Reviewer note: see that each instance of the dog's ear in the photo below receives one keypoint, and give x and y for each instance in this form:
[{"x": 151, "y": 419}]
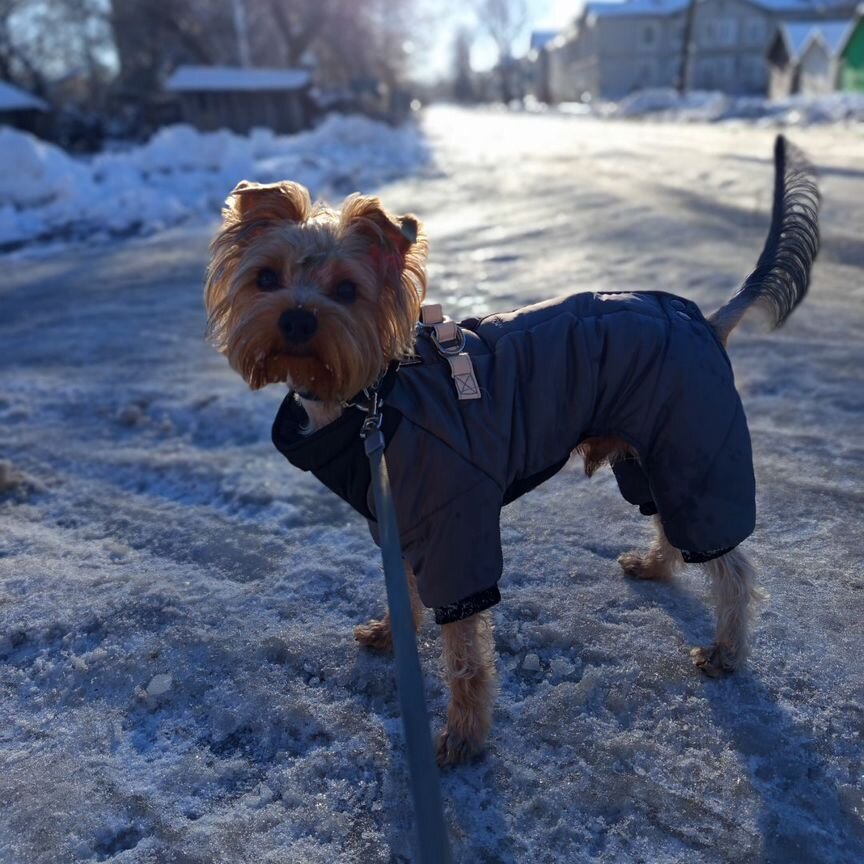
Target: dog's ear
[
  {"x": 269, "y": 202},
  {"x": 365, "y": 215}
]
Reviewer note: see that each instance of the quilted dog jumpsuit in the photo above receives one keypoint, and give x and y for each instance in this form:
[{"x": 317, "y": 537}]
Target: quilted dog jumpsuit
[{"x": 644, "y": 367}]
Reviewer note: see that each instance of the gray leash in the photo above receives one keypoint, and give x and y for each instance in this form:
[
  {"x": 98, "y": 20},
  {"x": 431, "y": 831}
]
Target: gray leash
[{"x": 434, "y": 845}]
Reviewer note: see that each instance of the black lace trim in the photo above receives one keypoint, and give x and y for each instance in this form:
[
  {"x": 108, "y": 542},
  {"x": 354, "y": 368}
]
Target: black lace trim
[{"x": 467, "y": 607}]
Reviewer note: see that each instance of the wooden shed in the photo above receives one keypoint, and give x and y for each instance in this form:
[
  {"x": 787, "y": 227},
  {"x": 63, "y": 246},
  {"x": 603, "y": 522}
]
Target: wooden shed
[
  {"x": 226, "y": 97},
  {"x": 21, "y": 110}
]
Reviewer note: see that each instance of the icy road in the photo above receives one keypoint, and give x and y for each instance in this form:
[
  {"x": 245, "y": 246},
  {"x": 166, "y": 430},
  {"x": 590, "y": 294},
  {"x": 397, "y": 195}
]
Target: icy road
[{"x": 178, "y": 679}]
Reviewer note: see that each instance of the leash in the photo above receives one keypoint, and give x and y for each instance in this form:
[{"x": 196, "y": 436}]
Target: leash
[{"x": 434, "y": 845}]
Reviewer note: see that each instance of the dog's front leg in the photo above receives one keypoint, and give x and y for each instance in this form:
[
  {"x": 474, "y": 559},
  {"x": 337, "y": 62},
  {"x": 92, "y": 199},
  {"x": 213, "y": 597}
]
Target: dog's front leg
[
  {"x": 376, "y": 634},
  {"x": 469, "y": 669}
]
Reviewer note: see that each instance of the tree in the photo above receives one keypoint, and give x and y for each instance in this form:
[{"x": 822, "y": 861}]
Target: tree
[
  {"x": 43, "y": 42},
  {"x": 463, "y": 77},
  {"x": 151, "y": 42},
  {"x": 503, "y": 20},
  {"x": 686, "y": 48}
]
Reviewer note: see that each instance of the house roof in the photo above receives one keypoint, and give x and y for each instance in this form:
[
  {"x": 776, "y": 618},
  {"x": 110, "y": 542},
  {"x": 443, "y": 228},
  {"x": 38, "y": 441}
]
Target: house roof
[
  {"x": 14, "y": 99},
  {"x": 541, "y": 38},
  {"x": 623, "y": 8},
  {"x": 798, "y": 36},
  {"x": 633, "y": 8},
  {"x": 803, "y": 6},
  {"x": 222, "y": 78}
]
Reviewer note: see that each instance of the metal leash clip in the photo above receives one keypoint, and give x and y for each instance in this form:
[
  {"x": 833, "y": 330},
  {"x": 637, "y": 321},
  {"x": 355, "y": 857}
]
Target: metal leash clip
[{"x": 370, "y": 431}]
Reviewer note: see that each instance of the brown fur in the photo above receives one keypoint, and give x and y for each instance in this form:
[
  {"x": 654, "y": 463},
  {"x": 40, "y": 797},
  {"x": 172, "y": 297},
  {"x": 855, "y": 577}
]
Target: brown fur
[
  {"x": 597, "y": 452},
  {"x": 658, "y": 564},
  {"x": 376, "y": 634},
  {"x": 469, "y": 669},
  {"x": 313, "y": 248}
]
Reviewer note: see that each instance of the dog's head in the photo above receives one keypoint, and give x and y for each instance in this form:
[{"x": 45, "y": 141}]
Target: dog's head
[{"x": 319, "y": 298}]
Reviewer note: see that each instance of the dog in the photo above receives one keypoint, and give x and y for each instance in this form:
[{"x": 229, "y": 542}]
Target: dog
[{"x": 330, "y": 302}]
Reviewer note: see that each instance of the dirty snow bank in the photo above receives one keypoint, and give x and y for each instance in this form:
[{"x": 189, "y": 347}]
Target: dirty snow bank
[
  {"x": 716, "y": 107},
  {"x": 181, "y": 174}
]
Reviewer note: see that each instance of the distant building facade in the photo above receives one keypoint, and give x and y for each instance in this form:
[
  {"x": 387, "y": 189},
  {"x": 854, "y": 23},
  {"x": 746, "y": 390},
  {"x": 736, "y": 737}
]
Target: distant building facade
[
  {"x": 615, "y": 48},
  {"x": 227, "y": 97}
]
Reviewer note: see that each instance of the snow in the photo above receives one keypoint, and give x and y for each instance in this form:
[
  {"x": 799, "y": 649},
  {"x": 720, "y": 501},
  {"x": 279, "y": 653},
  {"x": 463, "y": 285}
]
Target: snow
[
  {"x": 224, "y": 78},
  {"x": 181, "y": 175},
  {"x": 14, "y": 99},
  {"x": 151, "y": 533},
  {"x": 716, "y": 107}
]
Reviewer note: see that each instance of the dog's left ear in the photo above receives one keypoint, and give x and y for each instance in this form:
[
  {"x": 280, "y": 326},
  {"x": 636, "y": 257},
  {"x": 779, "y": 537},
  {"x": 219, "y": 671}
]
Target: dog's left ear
[
  {"x": 366, "y": 215},
  {"x": 270, "y": 202}
]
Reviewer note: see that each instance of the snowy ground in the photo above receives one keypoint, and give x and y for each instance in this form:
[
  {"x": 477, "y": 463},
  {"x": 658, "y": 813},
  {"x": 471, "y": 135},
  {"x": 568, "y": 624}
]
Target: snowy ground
[
  {"x": 179, "y": 680},
  {"x": 715, "y": 107}
]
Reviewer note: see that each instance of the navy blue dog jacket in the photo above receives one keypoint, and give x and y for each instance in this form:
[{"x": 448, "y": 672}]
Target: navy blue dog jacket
[{"x": 644, "y": 367}]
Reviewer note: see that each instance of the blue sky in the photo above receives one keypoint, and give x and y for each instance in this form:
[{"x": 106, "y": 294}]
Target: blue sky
[{"x": 436, "y": 60}]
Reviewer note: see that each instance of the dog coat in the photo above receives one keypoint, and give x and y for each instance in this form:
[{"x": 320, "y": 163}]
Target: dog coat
[{"x": 644, "y": 367}]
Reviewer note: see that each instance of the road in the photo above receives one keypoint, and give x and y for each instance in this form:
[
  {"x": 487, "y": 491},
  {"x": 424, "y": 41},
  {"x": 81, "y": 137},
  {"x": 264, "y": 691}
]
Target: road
[{"x": 179, "y": 682}]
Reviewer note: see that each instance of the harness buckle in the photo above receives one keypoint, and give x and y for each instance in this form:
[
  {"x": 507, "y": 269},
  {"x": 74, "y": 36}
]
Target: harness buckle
[{"x": 449, "y": 338}]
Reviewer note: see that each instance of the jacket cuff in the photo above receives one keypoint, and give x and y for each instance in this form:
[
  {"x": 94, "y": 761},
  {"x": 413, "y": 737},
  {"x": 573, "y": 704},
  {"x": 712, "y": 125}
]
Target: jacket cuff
[
  {"x": 701, "y": 557},
  {"x": 467, "y": 607}
]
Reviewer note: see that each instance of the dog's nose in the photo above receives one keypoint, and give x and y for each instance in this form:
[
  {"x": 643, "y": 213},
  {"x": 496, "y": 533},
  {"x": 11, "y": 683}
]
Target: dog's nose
[{"x": 298, "y": 325}]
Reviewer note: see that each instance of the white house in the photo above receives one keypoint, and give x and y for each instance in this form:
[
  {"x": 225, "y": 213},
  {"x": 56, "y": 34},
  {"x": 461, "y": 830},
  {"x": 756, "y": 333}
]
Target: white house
[
  {"x": 614, "y": 48},
  {"x": 804, "y": 57}
]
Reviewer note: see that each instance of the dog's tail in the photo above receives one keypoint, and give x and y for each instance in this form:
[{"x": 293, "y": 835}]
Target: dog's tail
[{"x": 782, "y": 275}]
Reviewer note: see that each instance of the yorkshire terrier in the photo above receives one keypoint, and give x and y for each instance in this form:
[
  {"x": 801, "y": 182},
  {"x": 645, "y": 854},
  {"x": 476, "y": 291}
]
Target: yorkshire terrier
[{"x": 329, "y": 302}]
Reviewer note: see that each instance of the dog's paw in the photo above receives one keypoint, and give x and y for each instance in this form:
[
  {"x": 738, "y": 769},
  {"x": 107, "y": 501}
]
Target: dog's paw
[
  {"x": 375, "y": 635},
  {"x": 647, "y": 566},
  {"x": 453, "y": 749},
  {"x": 715, "y": 661}
]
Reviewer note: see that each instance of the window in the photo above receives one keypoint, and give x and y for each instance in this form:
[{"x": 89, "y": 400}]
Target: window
[
  {"x": 720, "y": 33},
  {"x": 649, "y": 35},
  {"x": 755, "y": 32}
]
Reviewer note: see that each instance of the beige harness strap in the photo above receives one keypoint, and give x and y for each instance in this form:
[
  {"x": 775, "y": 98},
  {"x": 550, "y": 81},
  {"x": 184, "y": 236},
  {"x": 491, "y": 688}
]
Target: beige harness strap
[{"x": 449, "y": 340}]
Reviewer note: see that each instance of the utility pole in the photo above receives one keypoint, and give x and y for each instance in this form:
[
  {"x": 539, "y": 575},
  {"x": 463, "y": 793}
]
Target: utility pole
[
  {"x": 242, "y": 32},
  {"x": 687, "y": 48}
]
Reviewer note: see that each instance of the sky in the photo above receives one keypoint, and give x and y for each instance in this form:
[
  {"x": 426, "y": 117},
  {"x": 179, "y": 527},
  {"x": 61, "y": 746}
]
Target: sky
[{"x": 436, "y": 60}]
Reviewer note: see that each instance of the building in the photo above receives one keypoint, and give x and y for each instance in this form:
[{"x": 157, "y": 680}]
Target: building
[
  {"x": 21, "y": 110},
  {"x": 615, "y": 48},
  {"x": 851, "y": 75},
  {"x": 732, "y": 39},
  {"x": 226, "y": 97},
  {"x": 805, "y": 57},
  {"x": 621, "y": 47}
]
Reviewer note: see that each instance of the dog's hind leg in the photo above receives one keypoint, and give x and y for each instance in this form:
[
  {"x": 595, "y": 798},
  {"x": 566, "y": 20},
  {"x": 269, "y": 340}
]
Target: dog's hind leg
[
  {"x": 376, "y": 634},
  {"x": 734, "y": 584},
  {"x": 659, "y": 563},
  {"x": 469, "y": 669}
]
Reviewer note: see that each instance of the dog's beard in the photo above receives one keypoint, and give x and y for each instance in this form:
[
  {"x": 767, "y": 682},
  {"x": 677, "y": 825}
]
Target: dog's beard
[{"x": 343, "y": 357}]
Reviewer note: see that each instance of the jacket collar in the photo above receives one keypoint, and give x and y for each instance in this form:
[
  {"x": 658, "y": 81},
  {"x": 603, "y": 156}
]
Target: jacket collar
[{"x": 313, "y": 452}]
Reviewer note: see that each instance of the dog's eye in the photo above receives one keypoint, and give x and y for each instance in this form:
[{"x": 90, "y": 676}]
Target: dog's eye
[
  {"x": 346, "y": 291},
  {"x": 267, "y": 279}
]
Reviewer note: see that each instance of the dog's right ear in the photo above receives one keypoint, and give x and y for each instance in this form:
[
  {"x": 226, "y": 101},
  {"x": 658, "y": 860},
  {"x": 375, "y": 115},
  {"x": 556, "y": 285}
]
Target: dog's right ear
[{"x": 268, "y": 202}]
